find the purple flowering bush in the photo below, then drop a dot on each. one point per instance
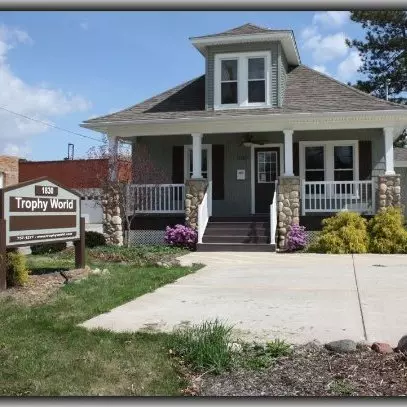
(296, 238)
(181, 236)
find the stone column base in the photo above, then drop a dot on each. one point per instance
(194, 193)
(288, 209)
(112, 220)
(389, 191)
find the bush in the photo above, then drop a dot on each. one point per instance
(47, 248)
(203, 347)
(296, 238)
(94, 239)
(181, 236)
(346, 232)
(17, 272)
(387, 233)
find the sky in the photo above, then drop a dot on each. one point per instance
(65, 67)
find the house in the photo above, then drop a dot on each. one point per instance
(256, 144)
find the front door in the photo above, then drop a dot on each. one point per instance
(267, 169)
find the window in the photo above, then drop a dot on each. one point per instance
(256, 81)
(206, 167)
(314, 163)
(343, 163)
(266, 166)
(229, 81)
(204, 162)
(241, 80)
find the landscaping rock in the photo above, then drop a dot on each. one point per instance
(342, 346)
(380, 347)
(402, 345)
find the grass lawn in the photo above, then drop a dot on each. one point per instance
(43, 352)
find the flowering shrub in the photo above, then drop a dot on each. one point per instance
(181, 236)
(296, 238)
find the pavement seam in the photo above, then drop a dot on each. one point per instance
(359, 300)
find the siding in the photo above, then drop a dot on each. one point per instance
(237, 200)
(253, 47)
(282, 75)
(403, 181)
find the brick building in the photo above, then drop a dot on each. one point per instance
(9, 168)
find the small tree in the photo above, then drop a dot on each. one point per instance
(140, 170)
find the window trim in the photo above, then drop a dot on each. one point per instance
(242, 79)
(329, 161)
(188, 147)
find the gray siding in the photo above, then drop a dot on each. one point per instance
(282, 75)
(237, 200)
(403, 181)
(264, 46)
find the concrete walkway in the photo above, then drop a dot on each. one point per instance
(297, 297)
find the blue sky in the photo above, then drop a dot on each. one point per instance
(65, 67)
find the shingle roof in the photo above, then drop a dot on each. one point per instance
(241, 30)
(400, 154)
(307, 91)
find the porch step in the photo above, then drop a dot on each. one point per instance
(245, 233)
(235, 239)
(235, 247)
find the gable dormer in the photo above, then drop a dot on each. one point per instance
(246, 67)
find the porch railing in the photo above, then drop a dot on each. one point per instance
(273, 217)
(335, 196)
(204, 212)
(156, 198)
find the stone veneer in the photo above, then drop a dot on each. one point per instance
(389, 191)
(112, 220)
(194, 193)
(288, 207)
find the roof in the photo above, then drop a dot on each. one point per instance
(245, 29)
(400, 154)
(307, 91)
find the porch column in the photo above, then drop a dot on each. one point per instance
(113, 153)
(288, 153)
(196, 155)
(388, 133)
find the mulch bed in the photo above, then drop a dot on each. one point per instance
(311, 370)
(40, 287)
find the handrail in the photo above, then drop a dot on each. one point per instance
(204, 211)
(273, 216)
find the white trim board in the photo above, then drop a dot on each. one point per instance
(252, 169)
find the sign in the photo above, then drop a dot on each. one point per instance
(241, 174)
(40, 211)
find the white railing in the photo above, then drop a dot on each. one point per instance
(156, 198)
(335, 196)
(273, 217)
(204, 212)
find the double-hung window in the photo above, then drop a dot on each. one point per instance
(241, 80)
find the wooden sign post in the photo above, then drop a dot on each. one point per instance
(40, 211)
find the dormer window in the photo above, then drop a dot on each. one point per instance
(242, 80)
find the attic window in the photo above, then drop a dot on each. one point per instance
(241, 80)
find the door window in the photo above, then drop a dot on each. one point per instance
(266, 166)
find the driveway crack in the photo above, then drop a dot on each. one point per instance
(359, 300)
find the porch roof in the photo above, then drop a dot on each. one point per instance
(307, 91)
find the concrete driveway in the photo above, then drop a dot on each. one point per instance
(297, 297)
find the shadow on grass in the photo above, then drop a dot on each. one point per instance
(38, 271)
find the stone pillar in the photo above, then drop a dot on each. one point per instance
(112, 220)
(194, 193)
(389, 191)
(288, 207)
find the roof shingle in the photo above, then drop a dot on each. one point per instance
(307, 91)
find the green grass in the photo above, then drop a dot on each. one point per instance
(203, 347)
(44, 352)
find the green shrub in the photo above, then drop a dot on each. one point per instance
(387, 233)
(94, 239)
(17, 272)
(346, 232)
(47, 248)
(203, 347)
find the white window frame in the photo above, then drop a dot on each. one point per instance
(329, 156)
(2, 181)
(242, 79)
(187, 148)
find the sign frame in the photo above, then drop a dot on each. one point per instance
(50, 193)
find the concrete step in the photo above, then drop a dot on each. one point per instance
(235, 247)
(235, 239)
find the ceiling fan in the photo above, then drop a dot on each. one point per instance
(248, 141)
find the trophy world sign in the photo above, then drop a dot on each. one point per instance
(40, 211)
